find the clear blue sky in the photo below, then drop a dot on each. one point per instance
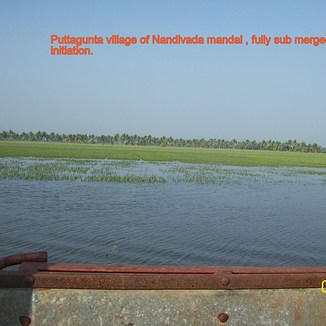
(254, 92)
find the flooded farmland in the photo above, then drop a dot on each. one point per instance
(137, 212)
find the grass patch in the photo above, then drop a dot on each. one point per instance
(96, 170)
(55, 170)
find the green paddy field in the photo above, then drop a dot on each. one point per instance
(156, 154)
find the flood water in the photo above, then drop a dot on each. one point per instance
(279, 219)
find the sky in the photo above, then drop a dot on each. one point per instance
(183, 91)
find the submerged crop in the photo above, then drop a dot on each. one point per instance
(140, 171)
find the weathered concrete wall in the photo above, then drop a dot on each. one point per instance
(162, 307)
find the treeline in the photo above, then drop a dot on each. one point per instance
(125, 139)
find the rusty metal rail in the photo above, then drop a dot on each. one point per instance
(35, 273)
(41, 293)
(40, 256)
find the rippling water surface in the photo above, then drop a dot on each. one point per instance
(277, 219)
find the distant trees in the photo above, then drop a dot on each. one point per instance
(148, 140)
